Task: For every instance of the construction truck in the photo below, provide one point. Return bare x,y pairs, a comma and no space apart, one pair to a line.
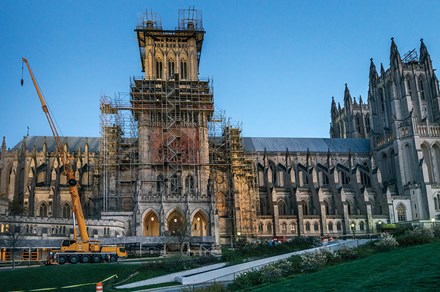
80,249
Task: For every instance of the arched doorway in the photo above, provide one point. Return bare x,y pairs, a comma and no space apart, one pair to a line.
199,226
176,223
151,224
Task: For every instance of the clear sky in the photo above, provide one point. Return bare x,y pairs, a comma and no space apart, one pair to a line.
275,64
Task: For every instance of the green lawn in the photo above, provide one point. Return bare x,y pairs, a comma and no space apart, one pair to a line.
414,268
66,275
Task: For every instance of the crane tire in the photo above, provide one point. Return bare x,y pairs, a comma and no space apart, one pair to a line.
113,259
96,258
62,260
85,259
73,259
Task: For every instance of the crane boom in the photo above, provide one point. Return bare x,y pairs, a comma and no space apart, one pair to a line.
66,161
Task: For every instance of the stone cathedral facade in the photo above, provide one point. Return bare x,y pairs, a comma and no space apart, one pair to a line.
175,176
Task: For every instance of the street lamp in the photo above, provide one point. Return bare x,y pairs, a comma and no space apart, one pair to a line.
379,226
433,222
353,229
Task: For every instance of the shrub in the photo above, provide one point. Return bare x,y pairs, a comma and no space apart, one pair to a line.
312,261
347,253
331,256
295,264
386,241
436,231
272,272
247,279
416,236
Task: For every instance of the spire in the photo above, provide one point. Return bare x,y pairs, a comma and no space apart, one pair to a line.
3,146
395,59
424,55
339,106
334,110
347,97
373,72
382,70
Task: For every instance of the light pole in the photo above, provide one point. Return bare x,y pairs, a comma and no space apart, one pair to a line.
353,229
433,222
379,226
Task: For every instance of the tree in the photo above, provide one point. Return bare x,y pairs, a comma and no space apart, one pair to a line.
11,237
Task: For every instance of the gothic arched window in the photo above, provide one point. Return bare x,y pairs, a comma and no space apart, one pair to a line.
408,85
422,93
66,210
401,212
269,227
284,227
159,69
358,123
307,226
159,183
189,183
171,68
281,208
330,226
43,210
174,183
304,207
183,69
260,228
316,226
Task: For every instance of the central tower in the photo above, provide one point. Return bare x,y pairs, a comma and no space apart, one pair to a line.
172,107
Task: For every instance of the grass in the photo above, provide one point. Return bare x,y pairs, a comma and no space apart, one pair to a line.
415,268
83,277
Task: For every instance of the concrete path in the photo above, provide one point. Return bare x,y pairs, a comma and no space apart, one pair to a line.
221,273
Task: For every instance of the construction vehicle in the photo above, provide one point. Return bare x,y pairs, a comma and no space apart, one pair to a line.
80,249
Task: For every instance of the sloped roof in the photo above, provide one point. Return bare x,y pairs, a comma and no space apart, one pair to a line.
73,143
336,145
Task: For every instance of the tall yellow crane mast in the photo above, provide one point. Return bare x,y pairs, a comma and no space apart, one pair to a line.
66,161
76,250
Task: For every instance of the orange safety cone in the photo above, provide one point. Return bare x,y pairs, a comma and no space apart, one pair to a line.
99,287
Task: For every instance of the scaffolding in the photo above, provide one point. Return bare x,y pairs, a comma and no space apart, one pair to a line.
164,143
118,149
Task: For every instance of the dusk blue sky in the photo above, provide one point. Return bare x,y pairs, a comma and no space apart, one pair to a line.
275,64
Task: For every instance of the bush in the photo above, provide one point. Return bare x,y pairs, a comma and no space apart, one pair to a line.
416,236
436,231
312,261
386,242
248,279
273,272
347,253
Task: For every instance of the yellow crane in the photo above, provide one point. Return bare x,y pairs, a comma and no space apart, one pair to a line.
77,250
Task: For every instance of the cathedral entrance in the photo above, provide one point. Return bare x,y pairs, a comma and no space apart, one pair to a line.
151,224
176,223
199,225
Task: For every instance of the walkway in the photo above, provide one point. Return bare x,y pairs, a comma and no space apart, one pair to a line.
221,273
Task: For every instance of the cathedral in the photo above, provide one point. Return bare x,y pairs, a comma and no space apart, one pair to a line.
168,164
